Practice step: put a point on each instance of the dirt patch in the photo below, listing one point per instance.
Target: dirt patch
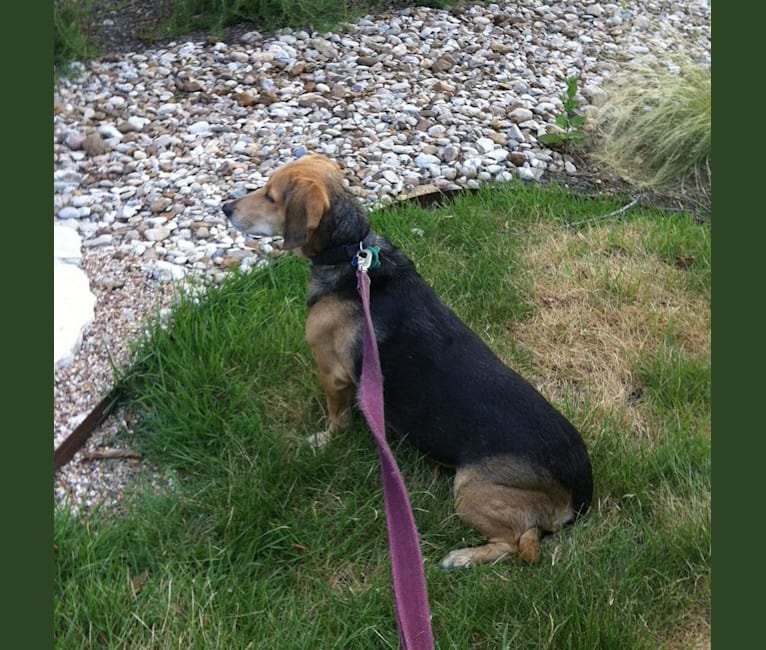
(120, 26)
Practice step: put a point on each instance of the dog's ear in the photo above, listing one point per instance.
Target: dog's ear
(305, 205)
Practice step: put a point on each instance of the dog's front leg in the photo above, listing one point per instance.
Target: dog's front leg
(339, 391)
(330, 334)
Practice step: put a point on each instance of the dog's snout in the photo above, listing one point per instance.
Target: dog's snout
(228, 209)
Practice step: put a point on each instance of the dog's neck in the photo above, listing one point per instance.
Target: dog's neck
(344, 253)
(341, 229)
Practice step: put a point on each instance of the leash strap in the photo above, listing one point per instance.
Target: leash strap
(408, 575)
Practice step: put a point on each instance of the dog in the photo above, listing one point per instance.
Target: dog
(522, 469)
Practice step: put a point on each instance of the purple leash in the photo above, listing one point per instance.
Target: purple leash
(408, 576)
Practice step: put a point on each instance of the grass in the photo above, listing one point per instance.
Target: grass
(653, 126)
(214, 15)
(262, 543)
(73, 37)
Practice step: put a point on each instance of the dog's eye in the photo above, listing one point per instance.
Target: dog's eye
(269, 198)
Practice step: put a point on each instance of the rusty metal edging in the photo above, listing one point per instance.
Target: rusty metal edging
(75, 440)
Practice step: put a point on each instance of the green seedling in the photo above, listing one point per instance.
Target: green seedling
(570, 122)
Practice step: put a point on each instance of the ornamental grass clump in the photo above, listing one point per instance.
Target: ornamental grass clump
(652, 126)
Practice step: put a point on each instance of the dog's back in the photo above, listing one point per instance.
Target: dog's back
(448, 392)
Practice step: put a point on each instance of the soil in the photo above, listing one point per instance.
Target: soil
(121, 26)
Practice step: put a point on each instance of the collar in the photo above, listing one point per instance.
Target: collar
(344, 252)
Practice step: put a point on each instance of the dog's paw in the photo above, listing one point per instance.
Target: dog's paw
(318, 441)
(465, 558)
(461, 558)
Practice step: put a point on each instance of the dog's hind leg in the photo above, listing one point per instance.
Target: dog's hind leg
(511, 518)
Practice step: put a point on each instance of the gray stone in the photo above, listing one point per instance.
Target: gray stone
(450, 154)
(74, 140)
(520, 115)
(594, 10)
(324, 47)
(101, 240)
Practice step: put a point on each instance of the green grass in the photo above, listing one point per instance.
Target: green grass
(261, 543)
(214, 15)
(269, 14)
(320, 15)
(72, 32)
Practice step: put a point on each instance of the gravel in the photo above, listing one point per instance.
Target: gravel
(149, 143)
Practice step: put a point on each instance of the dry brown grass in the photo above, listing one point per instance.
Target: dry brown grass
(602, 301)
(693, 633)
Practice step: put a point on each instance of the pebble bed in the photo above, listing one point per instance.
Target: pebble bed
(148, 145)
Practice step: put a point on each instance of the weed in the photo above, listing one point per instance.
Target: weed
(570, 123)
(72, 33)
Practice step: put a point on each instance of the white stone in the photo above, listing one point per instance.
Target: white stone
(498, 155)
(201, 127)
(67, 245)
(594, 10)
(73, 311)
(437, 130)
(102, 240)
(161, 233)
(115, 102)
(530, 173)
(426, 160)
(390, 176)
(66, 179)
(167, 109)
(167, 272)
(81, 200)
(137, 122)
(485, 145)
(109, 132)
(69, 212)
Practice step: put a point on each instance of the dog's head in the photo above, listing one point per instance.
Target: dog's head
(291, 204)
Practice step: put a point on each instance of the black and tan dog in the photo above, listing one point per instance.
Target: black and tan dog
(522, 469)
